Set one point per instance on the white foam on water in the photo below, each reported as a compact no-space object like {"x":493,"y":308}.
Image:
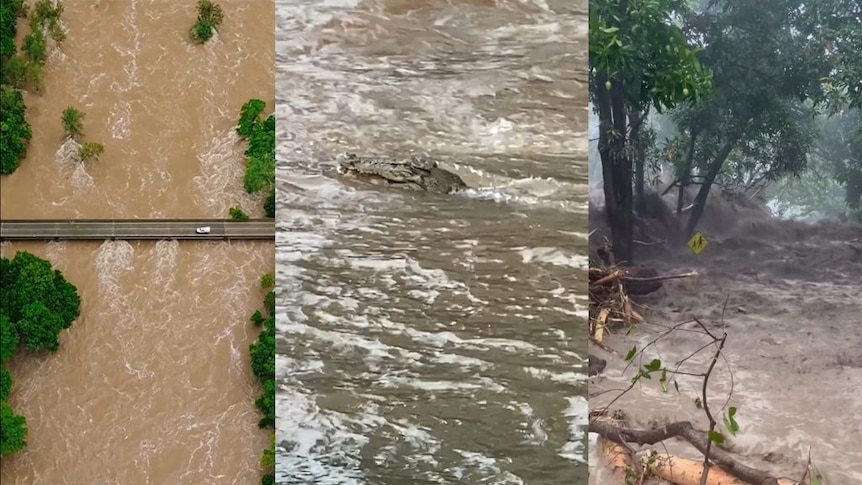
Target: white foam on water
{"x":578,"y":416}
{"x":223,"y":164}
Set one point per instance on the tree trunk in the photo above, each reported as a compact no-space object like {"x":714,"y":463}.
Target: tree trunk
{"x":684,"y":178}
{"x":635,"y":123}
{"x":700,"y":199}
{"x":616,"y":167}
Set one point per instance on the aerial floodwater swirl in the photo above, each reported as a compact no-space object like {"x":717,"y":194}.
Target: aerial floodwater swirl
{"x":431,"y":244}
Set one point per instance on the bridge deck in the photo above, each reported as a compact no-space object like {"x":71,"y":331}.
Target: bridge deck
{"x":134,"y":229}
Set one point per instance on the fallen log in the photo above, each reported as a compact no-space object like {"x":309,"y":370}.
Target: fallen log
{"x":727,"y":470}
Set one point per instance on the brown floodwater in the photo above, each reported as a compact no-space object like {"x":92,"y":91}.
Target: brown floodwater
{"x":152,"y":382}
{"x":426,"y":338}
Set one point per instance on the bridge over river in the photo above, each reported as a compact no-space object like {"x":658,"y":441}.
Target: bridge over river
{"x":135,"y":229}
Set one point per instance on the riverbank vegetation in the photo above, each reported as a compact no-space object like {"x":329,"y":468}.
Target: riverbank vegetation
{"x":16,"y":131}
{"x":36,"y":303}
{"x":260,"y":153}
{"x":263,"y":365}
{"x":210,"y":16}
{"x":22,"y":71}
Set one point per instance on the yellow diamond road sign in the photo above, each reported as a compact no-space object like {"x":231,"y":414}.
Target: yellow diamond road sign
{"x":697,"y":243}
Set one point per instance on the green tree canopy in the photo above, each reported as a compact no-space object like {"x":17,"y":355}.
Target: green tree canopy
{"x":5,"y":383}
{"x":14,"y":130}
{"x":73,"y":122}
{"x":13,"y":430}
{"x":8,"y":338}
{"x":37,"y":299}
{"x":260,"y":154}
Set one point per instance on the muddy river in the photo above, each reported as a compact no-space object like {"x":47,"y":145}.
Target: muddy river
{"x":152,"y":383}
{"x":426,"y":338}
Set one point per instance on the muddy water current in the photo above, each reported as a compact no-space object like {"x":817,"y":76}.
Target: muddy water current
{"x":426,"y":338}
{"x":152,"y":382}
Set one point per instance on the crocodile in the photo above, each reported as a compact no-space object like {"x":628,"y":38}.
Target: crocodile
{"x":415,"y":172}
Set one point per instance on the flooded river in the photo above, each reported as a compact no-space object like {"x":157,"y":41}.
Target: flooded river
{"x":427,"y":338}
{"x":152,"y":383}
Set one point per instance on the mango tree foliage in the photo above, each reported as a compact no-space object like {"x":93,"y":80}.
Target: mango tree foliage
{"x":768,"y":86}
{"x":639,"y":59}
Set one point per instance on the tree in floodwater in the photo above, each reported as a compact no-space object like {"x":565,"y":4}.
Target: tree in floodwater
{"x":90,"y":151}
{"x":639,"y":59}
{"x":776,"y":64}
{"x":210,"y":17}
{"x":73,"y":123}
{"x":237,"y":214}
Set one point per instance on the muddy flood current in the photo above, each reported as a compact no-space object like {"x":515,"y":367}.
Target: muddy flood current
{"x":427,"y":338}
{"x":787,"y":294}
{"x":152,"y":383}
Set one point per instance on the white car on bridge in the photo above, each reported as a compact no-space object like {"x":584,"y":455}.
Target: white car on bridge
{"x":203,"y":230}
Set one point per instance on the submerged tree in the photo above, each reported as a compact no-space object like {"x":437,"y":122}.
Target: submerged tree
{"x":210,"y":17}
{"x":90,"y":150}
{"x":237,"y":214}
{"x":73,"y":123}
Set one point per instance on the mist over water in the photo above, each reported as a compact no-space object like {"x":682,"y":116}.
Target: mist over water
{"x":426,"y":338}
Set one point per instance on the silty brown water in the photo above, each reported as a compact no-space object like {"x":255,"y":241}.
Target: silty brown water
{"x":152,"y":382}
{"x":427,"y":338}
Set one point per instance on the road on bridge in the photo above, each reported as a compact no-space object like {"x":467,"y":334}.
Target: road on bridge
{"x":135,"y":229}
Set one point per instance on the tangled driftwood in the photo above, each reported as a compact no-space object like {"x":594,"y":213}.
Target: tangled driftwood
{"x":610,"y":287}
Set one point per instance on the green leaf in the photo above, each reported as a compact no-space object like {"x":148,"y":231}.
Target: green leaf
{"x":654,"y":365}
{"x":730,"y":423}
{"x":631,"y":354}
{"x":663,"y":380}
{"x":716,"y":437}
{"x":697,"y":403}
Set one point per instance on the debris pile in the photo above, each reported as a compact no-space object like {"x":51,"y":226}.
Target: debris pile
{"x":610,"y":290}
